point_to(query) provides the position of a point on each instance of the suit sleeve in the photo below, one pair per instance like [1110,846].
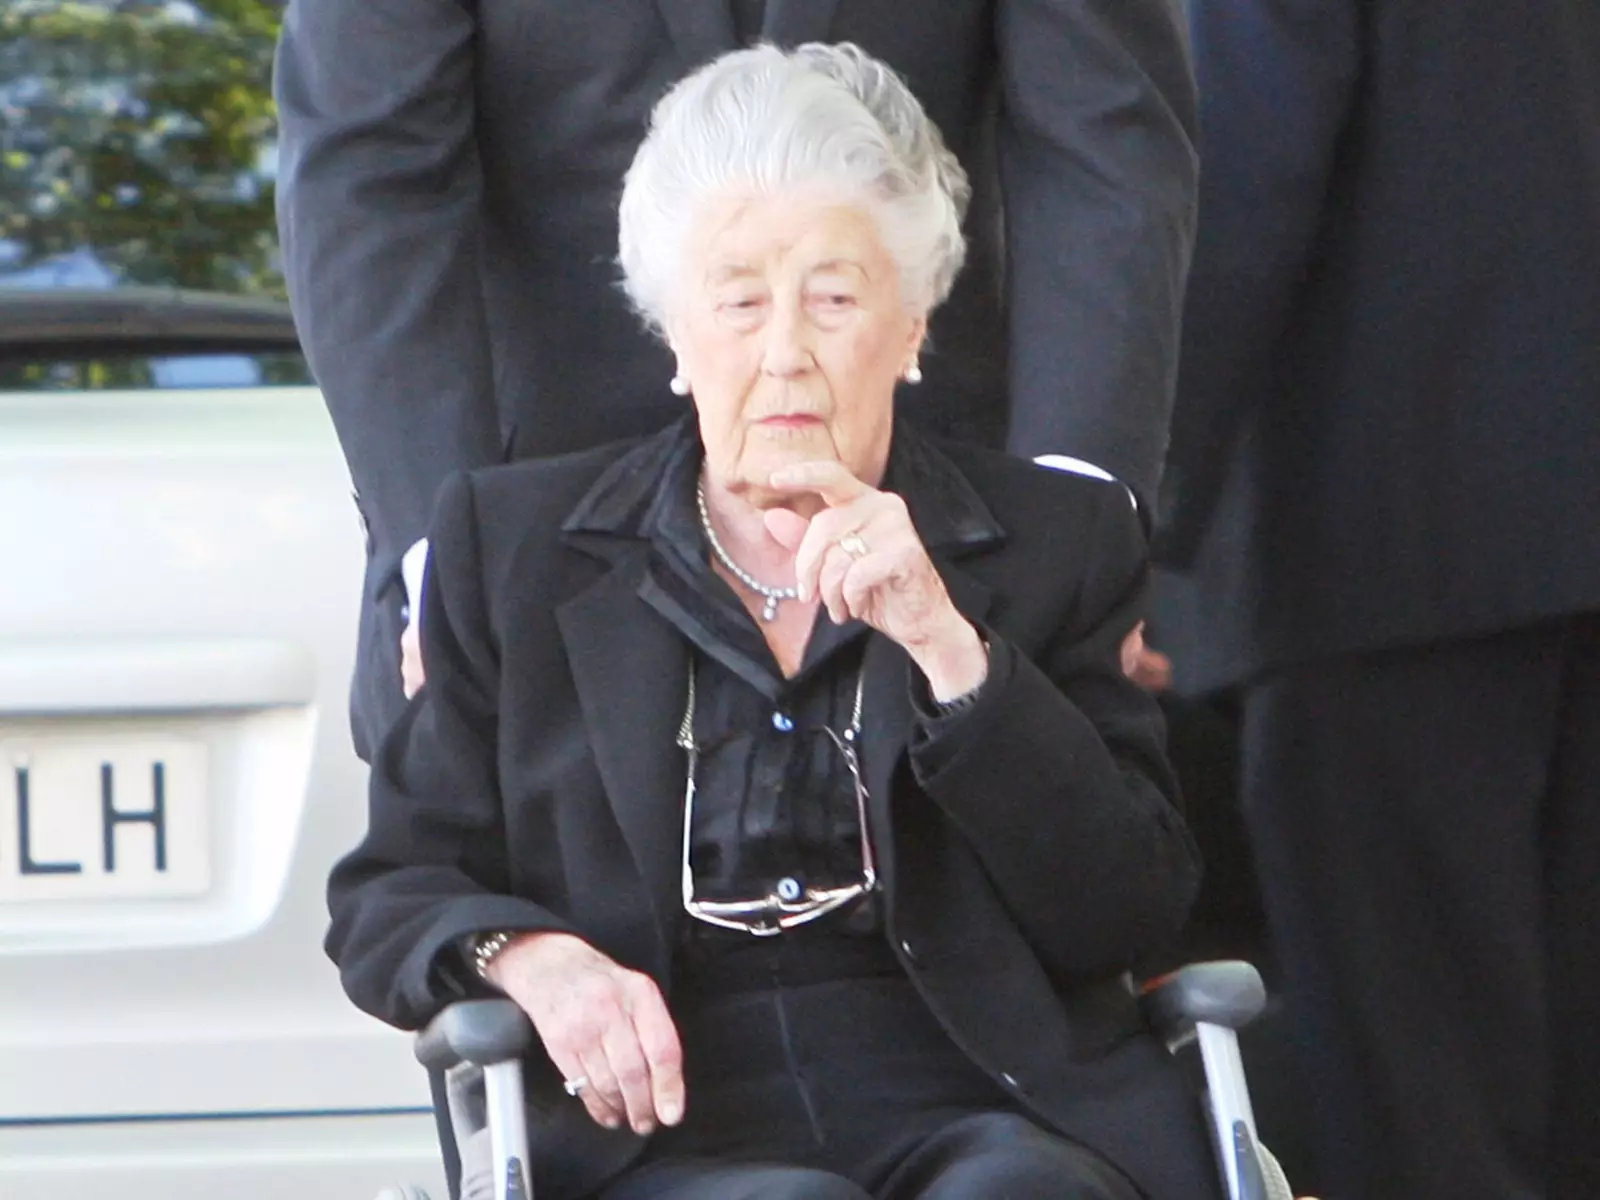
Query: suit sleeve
[1097,168]
[379,192]
[1058,779]
[1278,77]
[432,867]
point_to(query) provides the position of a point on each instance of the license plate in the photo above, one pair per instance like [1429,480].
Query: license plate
[85,818]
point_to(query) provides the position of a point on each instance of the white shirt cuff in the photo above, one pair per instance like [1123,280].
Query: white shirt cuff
[413,568]
[1065,462]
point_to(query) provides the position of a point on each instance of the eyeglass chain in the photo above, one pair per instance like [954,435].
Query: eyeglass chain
[849,736]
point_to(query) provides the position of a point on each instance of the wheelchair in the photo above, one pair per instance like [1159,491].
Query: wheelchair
[478,1046]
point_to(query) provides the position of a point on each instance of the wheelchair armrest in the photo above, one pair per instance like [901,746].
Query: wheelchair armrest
[1229,994]
[480,1032]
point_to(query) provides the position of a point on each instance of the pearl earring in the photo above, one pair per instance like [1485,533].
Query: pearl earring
[913,372]
[679,386]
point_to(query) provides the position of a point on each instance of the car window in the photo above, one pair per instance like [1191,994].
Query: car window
[132,372]
[137,146]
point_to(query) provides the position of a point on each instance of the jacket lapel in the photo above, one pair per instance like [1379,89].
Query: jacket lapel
[794,22]
[630,669]
[702,29]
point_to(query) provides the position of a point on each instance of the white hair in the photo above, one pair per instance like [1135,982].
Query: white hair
[764,120]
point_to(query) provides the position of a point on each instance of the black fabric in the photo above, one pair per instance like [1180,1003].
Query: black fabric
[1385,454]
[735,1181]
[1388,419]
[1427,823]
[534,784]
[748,16]
[774,798]
[447,191]
[714,964]
[838,1074]
[985,1155]
[850,1076]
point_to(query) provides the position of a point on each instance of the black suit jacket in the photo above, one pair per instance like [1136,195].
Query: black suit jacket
[449,172]
[1388,421]
[534,784]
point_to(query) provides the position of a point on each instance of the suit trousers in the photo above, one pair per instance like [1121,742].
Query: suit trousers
[1427,827]
[975,1157]
[978,1156]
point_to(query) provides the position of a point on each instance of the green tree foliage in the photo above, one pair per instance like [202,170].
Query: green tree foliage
[137,128]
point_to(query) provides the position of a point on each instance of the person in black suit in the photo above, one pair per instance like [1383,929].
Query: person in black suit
[790,669]
[447,179]
[1384,474]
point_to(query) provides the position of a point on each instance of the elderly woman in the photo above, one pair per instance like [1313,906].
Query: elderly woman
[781,766]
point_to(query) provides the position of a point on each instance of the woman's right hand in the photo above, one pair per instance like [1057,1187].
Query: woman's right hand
[600,1022]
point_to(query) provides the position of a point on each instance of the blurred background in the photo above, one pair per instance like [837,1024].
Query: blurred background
[137,144]
[137,147]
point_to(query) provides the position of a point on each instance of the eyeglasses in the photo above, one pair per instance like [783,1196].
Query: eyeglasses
[776,911]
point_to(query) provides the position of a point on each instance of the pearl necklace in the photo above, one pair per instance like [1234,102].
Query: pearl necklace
[769,595]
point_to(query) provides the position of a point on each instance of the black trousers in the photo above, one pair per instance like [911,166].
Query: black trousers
[985,1155]
[814,1070]
[1427,827]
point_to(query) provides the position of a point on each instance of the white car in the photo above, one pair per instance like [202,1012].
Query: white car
[181,569]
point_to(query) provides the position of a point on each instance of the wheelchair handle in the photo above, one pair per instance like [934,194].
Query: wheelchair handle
[481,1033]
[1228,993]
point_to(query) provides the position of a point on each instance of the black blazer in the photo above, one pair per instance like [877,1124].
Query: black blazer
[1388,421]
[448,180]
[534,784]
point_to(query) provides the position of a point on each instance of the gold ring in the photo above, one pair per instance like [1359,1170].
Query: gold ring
[853,545]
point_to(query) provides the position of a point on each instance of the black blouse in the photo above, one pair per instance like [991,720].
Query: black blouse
[775,803]
[776,806]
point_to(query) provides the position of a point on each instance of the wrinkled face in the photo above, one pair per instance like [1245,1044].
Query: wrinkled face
[791,329]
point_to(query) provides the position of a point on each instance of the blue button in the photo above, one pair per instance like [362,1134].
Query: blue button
[782,722]
[789,889]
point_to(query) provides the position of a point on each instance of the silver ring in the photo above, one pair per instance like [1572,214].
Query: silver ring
[573,1086]
[854,545]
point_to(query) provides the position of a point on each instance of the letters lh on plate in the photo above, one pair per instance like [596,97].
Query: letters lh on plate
[86,818]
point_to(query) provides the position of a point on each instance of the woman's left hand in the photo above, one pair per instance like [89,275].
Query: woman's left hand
[862,557]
